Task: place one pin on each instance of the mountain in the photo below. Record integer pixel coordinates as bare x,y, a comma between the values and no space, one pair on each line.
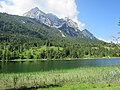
66,26
28,38
88,34
25,27
49,19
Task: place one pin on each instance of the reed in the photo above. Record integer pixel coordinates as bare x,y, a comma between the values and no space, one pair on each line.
107,75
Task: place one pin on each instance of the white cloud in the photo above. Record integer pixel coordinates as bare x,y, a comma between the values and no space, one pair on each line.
61,8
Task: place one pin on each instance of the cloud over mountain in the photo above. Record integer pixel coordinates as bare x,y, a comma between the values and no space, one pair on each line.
61,8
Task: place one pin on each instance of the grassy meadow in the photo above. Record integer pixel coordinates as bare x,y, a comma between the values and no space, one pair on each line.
84,78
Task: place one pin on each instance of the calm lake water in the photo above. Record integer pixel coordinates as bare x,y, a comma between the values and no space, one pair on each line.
33,66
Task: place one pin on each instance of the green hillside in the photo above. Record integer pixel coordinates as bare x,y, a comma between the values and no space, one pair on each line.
26,38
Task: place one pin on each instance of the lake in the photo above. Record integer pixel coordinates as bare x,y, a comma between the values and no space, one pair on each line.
46,65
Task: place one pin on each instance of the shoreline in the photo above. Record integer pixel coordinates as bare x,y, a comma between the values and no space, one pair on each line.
64,59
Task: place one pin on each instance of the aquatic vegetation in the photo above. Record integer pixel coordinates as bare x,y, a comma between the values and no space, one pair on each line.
105,75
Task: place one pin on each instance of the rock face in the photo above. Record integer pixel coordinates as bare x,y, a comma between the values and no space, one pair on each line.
86,33
53,21
66,26
49,19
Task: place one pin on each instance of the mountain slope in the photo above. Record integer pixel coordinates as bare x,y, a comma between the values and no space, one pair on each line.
29,27
88,34
28,38
67,27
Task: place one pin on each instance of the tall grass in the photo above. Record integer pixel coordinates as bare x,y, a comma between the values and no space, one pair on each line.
107,75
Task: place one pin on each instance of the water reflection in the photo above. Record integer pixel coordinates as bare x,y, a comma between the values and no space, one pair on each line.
33,66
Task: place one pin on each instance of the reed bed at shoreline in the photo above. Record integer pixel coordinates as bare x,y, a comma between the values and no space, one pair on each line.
106,75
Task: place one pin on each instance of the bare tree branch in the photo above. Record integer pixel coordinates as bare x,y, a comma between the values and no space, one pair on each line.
116,39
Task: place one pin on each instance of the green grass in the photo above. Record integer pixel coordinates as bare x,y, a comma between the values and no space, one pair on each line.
80,78
85,86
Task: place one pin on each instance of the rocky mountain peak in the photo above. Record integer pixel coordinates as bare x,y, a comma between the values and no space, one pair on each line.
66,26
39,15
52,20
71,23
34,13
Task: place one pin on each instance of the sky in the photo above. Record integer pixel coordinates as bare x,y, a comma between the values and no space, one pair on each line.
100,17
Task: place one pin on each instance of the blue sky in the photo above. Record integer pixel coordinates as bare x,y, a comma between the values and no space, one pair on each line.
100,17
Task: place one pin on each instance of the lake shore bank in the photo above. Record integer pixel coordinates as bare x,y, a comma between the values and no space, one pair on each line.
61,59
